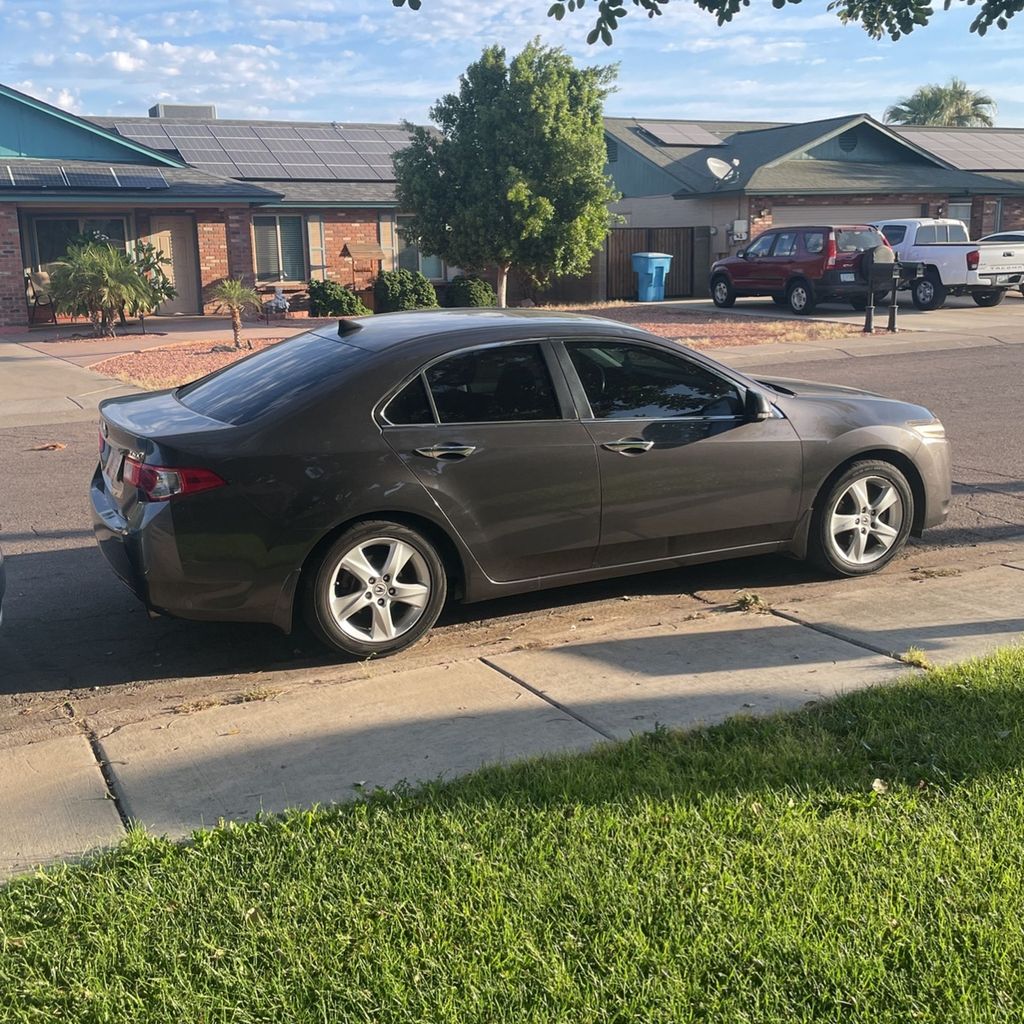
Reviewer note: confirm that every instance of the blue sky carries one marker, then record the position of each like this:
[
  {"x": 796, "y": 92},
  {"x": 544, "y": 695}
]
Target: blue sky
[{"x": 351, "y": 60}]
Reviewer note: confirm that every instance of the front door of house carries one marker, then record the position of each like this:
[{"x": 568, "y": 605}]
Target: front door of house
[{"x": 175, "y": 236}]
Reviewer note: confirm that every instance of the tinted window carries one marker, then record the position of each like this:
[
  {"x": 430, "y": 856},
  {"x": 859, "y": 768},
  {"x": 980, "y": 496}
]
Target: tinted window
[
  {"x": 858, "y": 240},
  {"x": 786, "y": 244},
  {"x": 410, "y": 405},
  {"x": 814, "y": 241},
  {"x": 632, "y": 382},
  {"x": 926, "y": 235},
  {"x": 761, "y": 246},
  {"x": 268, "y": 380},
  {"x": 957, "y": 233},
  {"x": 491, "y": 385},
  {"x": 895, "y": 233}
]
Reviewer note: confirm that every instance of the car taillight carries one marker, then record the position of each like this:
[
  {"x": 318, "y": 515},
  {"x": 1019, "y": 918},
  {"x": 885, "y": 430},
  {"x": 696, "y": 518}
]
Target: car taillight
[
  {"x": 158, "y": 483},
  {"x": 831, "y": 252},
  {"x": 973, "y": 259}
]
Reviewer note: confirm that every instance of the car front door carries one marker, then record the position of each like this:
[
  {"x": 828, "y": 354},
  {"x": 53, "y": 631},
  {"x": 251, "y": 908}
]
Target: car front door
[
  {"x": 499, "y": 449},
  {"x": 684, "y": 469},
  {"x": 750, "y": 277}
]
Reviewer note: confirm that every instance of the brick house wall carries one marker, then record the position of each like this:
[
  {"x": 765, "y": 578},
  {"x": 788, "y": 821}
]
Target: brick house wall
[{"x": 13, "y": 309}]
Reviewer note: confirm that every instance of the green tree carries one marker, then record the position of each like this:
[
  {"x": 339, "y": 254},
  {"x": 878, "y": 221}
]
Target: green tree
[
  {"x": 235, "y": 296},
  {"x": 953, "y": 105},
  {"x": 892, "y": 18},
  {"x": 514, "y": 174}
]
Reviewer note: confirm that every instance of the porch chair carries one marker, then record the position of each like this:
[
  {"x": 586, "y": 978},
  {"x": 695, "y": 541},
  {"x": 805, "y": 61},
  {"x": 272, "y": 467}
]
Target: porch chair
[{"x": 37, "y": 291}]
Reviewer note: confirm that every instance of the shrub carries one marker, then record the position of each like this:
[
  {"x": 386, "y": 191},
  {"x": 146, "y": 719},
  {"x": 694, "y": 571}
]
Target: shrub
[
  {"x": 396, "y": 290},
  {"x": 470, "y": 291},
  {"x": 331, "y": 298}
]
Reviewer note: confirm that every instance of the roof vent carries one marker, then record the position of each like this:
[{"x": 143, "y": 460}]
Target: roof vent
[
  {"x": 612, "y": 146},
  {"x": 848, "y": 141},
  {"x": 189, "y": 111}
]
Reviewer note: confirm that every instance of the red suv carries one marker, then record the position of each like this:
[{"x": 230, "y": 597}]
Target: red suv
[{"x": 802, "y": 266}]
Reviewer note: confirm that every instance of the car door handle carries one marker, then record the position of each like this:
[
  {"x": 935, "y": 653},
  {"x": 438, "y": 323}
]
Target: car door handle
[
  {"x": 629, "y": 446},
  {"x": 447, "y": 452}
]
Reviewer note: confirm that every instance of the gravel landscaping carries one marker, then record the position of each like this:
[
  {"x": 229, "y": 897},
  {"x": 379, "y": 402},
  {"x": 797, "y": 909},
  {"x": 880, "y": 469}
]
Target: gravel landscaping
[{"x": 172, "y": 365}]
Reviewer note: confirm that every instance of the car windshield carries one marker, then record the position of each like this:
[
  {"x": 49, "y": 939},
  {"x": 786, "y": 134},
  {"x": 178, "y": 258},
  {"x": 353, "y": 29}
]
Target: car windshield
[{"x": 857, "y": 239}]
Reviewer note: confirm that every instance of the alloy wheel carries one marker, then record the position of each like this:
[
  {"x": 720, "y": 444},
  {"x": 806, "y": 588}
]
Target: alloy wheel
[
  {"x": 379, "y": 589},
  {"x": 865, "y": 520},
  {"x": 721, "y": 291}
]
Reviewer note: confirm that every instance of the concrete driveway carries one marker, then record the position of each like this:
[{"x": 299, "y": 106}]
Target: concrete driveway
[{"x": 958, "y": 316}]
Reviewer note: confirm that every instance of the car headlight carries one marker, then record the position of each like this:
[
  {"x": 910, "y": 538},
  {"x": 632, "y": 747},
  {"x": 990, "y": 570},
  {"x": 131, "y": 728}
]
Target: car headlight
[{"x": 931, "y": 430}]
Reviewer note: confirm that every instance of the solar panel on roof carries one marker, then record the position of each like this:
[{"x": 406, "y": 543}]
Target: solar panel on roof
[
  {"x": 140, "y": 177},
  {"x": 316, "y": 134},
  {"x": 352, "y": 172},
  {"x": 261, "y": 170},
  {"x": 6, "y": 180},
  {"x": 358, "y": 134},
  {"x": 37, "y": 175},
  {"x": 680, "y": 134},
  {"x": 188, "y": 131},
  {"x": 252, "y": 145},
  {"x": 287, "y": 146},
  {"x": 225, "y": 170},
  {"x": 232, "y": 131},
  {"x": 93, "y": 177},
  {"x": 140, "y": 130},
  {"x": 275, "y": 132}
]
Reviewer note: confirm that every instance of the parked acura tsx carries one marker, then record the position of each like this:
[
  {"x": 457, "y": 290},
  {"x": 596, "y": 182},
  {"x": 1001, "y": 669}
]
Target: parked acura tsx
[{"x": 359, "y": 475}]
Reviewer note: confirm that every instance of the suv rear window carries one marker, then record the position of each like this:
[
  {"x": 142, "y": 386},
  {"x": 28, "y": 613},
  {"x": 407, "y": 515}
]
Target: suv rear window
[
  {"x": 267, "y": 380},
  {"x": 859, "y": 240}
]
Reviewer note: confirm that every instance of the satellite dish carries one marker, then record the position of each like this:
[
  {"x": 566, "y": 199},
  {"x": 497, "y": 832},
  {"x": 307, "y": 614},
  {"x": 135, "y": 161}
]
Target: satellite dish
[{"x": 721, "y": 170}]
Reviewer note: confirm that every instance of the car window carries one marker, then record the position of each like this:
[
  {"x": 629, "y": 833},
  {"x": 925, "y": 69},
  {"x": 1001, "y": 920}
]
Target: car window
[
  {"x": 814, "y": 241},
  {"x": 926, "y": 235},
  {"x": 491, "y": 385},
  {"x": 894, "y": 233},
  {"x": 857, "y": 240},
  {"x": 786, "y": 244},
  {"x": 957, "y": 233},
  {"x": 270, "y": 379},
  {"x": 410, "y": 405},
  {"x": 1004, "y": 238},
  {"x": 624, "y": 381},
  {"x": 761, "y": 246}
]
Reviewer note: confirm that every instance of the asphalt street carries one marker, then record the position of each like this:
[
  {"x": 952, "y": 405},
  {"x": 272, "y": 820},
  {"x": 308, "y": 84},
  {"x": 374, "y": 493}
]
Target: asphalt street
[{"x": 73, "y": 636}]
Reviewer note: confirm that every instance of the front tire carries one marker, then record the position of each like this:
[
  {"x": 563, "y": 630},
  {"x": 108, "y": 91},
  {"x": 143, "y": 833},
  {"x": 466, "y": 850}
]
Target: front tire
[
  {"x": 723, "y": 295},
  {"x": 992, "y": 298},
  {"x": 376, "y": 590},
  {"x": 800, "y": 297},
  {"x": 861, "y": 520},
  {"x": 928, "y": 292}
]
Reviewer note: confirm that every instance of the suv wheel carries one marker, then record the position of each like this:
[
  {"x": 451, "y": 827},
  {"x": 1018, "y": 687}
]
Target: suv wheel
[
  {"x": 377, "y": 589},
  {"x": 722, "y": 292},
  {"x": 800, "y": 297},
  {"x": 928, "y": 292},
  {"x": 862, "y": 520}
]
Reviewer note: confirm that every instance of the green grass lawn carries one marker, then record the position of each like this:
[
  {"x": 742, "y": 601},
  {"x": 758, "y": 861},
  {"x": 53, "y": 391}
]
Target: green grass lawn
[{"x": 753, "y": 872}]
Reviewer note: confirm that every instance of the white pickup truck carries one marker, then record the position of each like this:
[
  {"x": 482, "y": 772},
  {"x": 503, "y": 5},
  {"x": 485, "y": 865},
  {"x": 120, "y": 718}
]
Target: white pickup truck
[{"x": 953, "y": 264}]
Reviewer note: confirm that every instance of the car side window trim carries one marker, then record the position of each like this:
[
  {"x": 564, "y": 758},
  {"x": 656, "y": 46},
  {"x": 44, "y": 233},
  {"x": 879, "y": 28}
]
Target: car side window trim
[{"x": 563, "y": 396}]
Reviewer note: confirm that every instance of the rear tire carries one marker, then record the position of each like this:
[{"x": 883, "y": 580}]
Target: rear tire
[
  {"x": 723, "y": 295},
  {"x": 928, "y": 292},
  {"x": 992, "y": 298},
  {"x": 403, "y": 575},
  {"x": 861, "y": 519},
  {"x": 800, "y": 298}
]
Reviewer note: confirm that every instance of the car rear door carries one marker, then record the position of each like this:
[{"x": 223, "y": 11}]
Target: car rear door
[
  {"x": 683, "y": 469},
  {"x": 778, "y": 267},
  {"x": 492, "y": 435}
]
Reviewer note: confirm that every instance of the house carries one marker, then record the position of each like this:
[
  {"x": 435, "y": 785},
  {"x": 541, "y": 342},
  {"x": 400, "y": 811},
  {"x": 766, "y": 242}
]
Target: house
[
  {"x": 840, "y": 169},
  {"x": 275, "y": 202}
]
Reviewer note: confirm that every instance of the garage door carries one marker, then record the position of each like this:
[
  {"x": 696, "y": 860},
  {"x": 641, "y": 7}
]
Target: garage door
[{"x": 783, "y": 215}]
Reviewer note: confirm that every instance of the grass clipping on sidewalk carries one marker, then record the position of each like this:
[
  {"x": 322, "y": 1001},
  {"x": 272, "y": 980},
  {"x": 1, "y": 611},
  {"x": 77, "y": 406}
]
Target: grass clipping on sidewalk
[{"x": 860, "y": 860}]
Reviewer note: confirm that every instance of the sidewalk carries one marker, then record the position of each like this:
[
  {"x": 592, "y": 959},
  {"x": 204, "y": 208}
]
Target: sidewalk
[{"x": 323, "y": 741}]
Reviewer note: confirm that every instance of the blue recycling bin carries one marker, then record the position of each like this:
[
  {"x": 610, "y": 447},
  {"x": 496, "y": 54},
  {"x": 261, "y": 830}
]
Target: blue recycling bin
[{"x": 651, "y": 269}]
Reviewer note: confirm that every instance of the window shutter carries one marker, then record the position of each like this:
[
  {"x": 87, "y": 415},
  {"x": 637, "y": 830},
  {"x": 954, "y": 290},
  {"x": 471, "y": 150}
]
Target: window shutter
[
  {"x": 293, "y": 249},
  {"x": 268, "y": 265}
]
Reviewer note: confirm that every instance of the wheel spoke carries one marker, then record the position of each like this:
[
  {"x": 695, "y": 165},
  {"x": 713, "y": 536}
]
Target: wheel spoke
[
  {"x": 383, "y": 627},
  {"x": 886, "y": 500},
  {"x": 884, "y": 534},
  {"x": 859, "y": 493},
  {"x": 860, "y": 541},
  {"x": 415, "y": 594},
  {"x": 346, "y": 605},
  {"x": 356, "y": 564},
  {"x": 843, "y": 523},
  {"x": 397, "y": 559}
]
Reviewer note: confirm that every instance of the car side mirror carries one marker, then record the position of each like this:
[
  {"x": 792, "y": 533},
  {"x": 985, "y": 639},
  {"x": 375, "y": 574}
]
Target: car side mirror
[
  {"x": 758, "y": 408},
  {"x": 741, "y": 254}
]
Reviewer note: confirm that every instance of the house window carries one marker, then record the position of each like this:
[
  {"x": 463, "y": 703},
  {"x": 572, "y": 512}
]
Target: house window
[
  {"x": 960, "y": 211},
  {"x": 51, "y": 236},
  {"x": 280, "y": 244},
  {"x": 410, "y": 257}
]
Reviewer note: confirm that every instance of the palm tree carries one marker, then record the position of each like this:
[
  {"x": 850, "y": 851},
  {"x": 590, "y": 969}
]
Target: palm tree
[
  {"x": 952, "y": 106},
  {"x": 234, "y": 295}
]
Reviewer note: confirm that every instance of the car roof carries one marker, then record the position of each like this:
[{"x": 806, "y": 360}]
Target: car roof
[{"x": 386, "y": 330}]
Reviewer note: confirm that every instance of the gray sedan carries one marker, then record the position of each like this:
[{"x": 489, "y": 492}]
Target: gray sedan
[{"x": 361, "y": 475}]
